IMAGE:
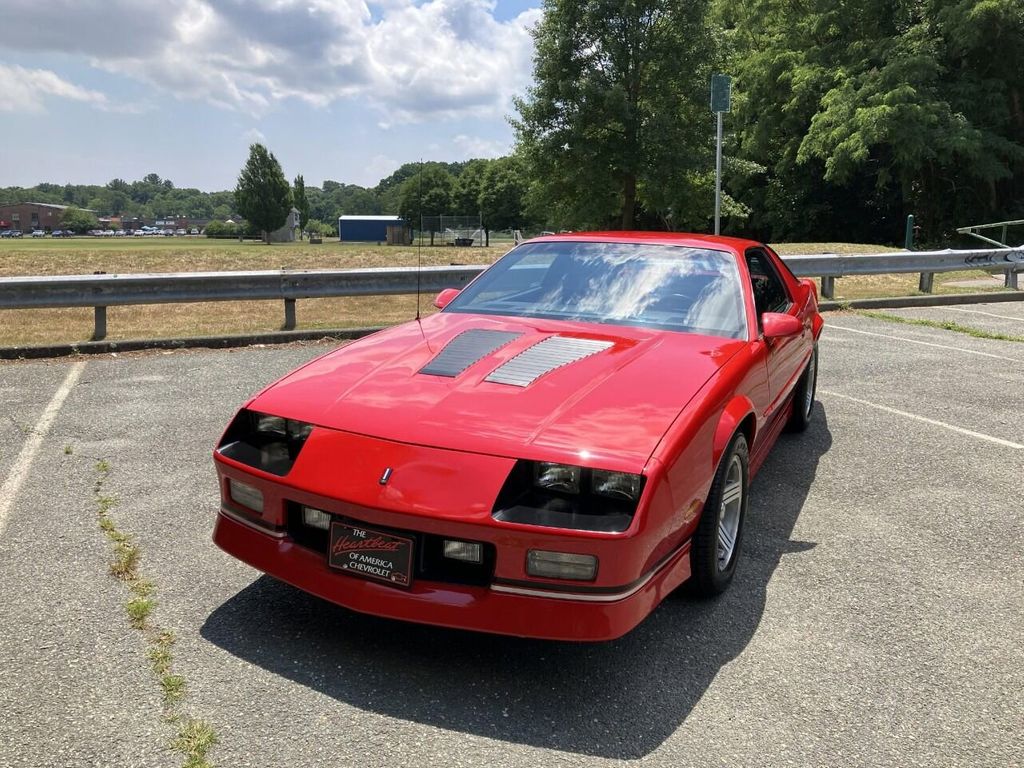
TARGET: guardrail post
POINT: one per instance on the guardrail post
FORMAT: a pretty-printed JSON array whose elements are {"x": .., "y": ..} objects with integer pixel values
[
  {"x": 828, "y": 287},
  {"x": 926, "y": 281},
  {"x": 99, "y": 323},
  {"x": 1011, "y": 277},
  {"x": 289, "y": 314}
]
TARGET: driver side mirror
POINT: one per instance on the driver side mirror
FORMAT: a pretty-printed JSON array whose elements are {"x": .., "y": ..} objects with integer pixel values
[
  {"x": 777, "y": 325},
  {"x": 444, "y": 298}
]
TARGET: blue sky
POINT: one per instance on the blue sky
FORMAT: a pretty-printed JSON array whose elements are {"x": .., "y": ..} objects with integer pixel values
[{"x": 337, "y": 89}]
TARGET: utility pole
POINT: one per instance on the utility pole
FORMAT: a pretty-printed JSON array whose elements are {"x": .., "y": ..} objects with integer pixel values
[{"x": 721, "y": 97}]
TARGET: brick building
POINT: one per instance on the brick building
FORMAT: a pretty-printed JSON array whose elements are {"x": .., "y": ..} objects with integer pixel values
[{"x": 29, "y": 216}]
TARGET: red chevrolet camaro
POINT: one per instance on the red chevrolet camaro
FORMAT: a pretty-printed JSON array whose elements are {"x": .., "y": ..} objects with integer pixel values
[{"x": 570, "y": 439}]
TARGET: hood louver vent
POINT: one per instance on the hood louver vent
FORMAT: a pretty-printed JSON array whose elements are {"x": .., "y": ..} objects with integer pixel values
[
  {"x": 544, "y": 357},
  {"x": 465, "y": 349}
]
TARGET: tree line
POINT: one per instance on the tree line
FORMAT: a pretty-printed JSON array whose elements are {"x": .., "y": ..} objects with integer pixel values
[{"x": 846, "y": 117}]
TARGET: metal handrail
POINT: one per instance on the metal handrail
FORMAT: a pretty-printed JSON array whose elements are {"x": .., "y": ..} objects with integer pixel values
[
  {"x": 102, "y": 291},
  {"x": 1011, "y": 276}
]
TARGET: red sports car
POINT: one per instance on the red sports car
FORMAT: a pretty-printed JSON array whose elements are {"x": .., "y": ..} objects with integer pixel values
[{"x": 565, "y": 443}]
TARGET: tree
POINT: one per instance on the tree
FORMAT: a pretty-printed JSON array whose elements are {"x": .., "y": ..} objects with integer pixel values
[
  {"x": 865, "y": 112},
  {"x": 262, "y": 195},
  {"x": 502, "y": 194},
  {"x": 221, "y": 229},
  {"x": 78, "y": 220},
  {"x": 301, "y": 202},
  {"x": 426, "y": 194},
  {"x": 467, "y": 187},
  {"x": 617, "y": 122}
]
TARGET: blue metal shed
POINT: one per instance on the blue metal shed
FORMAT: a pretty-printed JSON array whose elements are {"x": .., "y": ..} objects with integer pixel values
[{"x": 366, "y": 228}]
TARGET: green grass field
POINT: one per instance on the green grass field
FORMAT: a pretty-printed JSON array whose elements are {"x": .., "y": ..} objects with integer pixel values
[{"x": 77, "y": 256}]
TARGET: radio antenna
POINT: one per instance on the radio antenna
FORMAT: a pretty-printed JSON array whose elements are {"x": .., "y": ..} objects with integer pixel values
[{"x": 419, "y": 242}]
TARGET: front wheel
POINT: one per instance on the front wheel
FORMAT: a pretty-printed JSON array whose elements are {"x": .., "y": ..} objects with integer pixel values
[
  {"x": 803, "y": 395},
  {"x": 716, "y": 545}
]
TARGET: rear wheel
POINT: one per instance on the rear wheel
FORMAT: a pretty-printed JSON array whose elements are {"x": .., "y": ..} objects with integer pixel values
[
  {"x": 716, "y": 545},
  {"x": 803, "y": 395}
]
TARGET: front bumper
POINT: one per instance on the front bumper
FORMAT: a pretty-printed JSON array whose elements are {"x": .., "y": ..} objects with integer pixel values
[{"x": 502, "y": 608}]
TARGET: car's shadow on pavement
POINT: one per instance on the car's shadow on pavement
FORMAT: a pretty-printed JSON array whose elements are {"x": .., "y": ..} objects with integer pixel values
[{"x": 620, "y": 699}]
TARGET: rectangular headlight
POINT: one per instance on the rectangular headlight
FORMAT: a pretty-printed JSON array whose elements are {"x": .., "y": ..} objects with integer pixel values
[
  {"x": 314, "y": 518},
  {"x": 561, "y": 565},
  {"x": 467, "y": 551},
  {"x": 557, "y": 477},
  {"x": 246, "y": 495},
  {"x": 616, "y": 485}
]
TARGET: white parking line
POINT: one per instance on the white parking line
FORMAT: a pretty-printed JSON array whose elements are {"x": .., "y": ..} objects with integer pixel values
[
  {"x": 831, "y": 327},
  {"x": 933, "y": 422},
  {"x": 11, "y": 486},
  {"x": 987, "y": 314}
]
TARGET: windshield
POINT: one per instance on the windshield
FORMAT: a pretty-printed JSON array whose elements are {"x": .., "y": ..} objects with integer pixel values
[{"x": 658, "y": 286}]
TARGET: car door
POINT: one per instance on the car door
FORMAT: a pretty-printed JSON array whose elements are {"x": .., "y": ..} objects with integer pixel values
[{"x": 785, "y": 355}]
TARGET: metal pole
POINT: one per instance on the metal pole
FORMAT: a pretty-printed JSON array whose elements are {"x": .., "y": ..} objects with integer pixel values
[{"x": 718, "y": 176}]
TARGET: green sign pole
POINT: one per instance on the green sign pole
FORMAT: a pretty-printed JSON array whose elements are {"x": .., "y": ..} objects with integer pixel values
[{"x": 721, "y": 97}]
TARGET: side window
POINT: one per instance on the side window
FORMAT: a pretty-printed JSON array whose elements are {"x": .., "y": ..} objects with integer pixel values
[{"x": 769, "y": 292}]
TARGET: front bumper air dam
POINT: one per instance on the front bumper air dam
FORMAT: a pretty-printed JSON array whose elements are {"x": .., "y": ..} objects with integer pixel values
[{"x": 453, "y": 605}]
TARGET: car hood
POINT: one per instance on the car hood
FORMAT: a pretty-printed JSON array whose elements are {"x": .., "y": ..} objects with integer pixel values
[{"x": 607, "y": 408}]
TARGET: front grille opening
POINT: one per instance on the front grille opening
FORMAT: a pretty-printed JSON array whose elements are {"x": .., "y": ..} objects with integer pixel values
[{"x": 431, "y": 564}]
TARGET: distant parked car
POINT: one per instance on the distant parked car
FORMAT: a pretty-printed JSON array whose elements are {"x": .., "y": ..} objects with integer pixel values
[
  {"x": 193, "y": 231},
  {"x": 138, "y": 233},
  {"x": 38, "y": 233},
  {"x": 5, "y": 233},
  {"x": 120, "y": 233},
  {"x": 58, "y": 233},
  {"x": 179, "y": 231}
]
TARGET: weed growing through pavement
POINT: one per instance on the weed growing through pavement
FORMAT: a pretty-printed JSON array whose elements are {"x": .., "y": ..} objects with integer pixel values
[
  {"x": 194, "y": 738},
  {"x": 193, "y": 741},
  {"x": 977, "y": 333}
]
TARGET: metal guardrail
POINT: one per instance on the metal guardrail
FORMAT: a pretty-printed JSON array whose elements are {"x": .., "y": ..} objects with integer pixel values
[
  {"x": 975, "y": 230},
  {"x": 102, "y": 291},
  {"x": 830, "y": 266}
]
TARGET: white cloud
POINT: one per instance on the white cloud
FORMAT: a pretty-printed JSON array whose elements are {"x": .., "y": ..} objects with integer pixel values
[
  {"x": 474, "y": 146},
  {"x": 408, "y": 59},
  {"x": 254, "y": 136},
  {"x": 26, "y": 89}
]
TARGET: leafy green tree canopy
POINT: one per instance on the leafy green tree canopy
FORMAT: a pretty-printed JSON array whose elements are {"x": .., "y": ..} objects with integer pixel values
[
  {"x": 263, "y": 195},
  {"x": 863, "y": 113},
  {"x": 78, "y": 220},
  {"x": 502, "y": 194},
  {"x": 300, "y": 201},
  {"x": 426, "y": 193},
  {"x": 617, "y": 120}
]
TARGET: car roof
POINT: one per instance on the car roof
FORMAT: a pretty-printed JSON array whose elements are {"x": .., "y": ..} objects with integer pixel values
[{"x": 715, "y": 242}]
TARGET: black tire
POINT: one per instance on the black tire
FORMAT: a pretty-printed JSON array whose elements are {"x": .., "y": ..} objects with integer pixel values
[
  {"x": 803, "y": 403},
  {"x": 710, "y": 576}
]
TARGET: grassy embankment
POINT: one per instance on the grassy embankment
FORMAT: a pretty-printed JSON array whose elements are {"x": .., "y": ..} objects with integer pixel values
[{"x": 88, "y": 255}]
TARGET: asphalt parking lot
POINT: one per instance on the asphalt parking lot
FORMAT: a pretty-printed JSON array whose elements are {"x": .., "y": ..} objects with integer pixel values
[{"x": 877, "y": 618}]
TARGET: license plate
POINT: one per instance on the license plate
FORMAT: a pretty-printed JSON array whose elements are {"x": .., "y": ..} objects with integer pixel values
[{"x": 371, "y": 554}]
